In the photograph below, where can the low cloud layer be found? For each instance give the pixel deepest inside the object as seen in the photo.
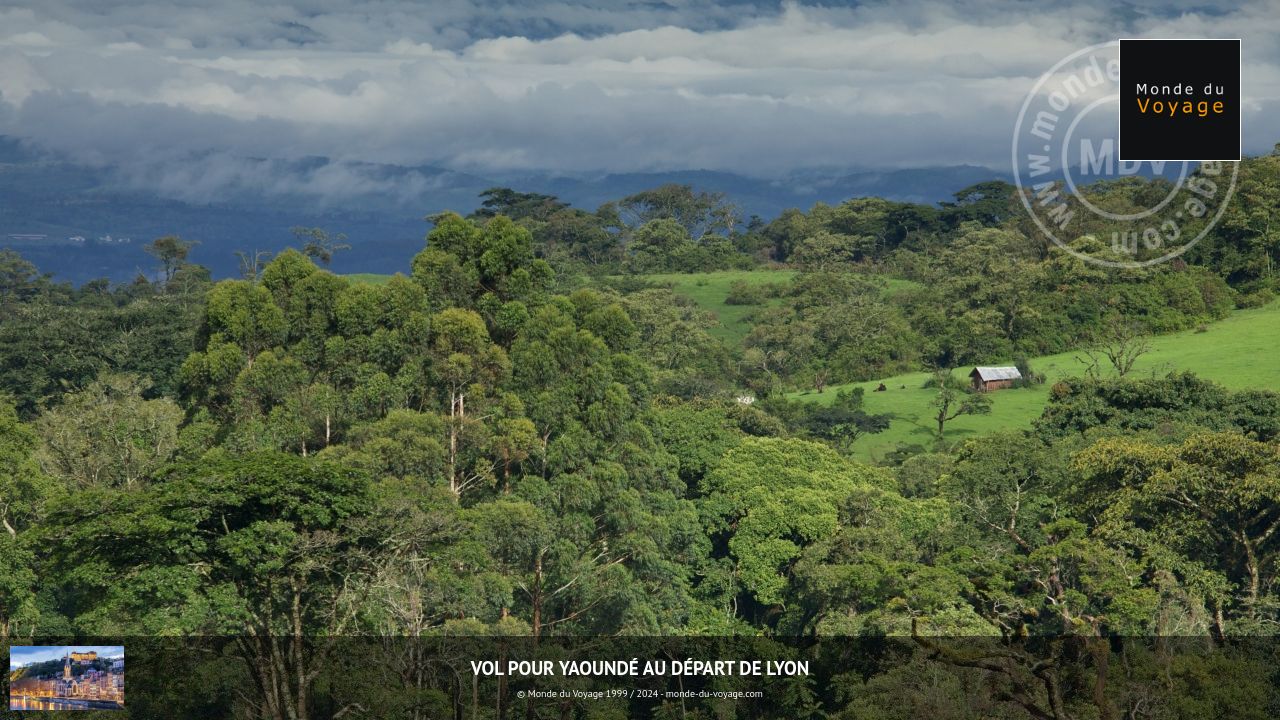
(754, 88)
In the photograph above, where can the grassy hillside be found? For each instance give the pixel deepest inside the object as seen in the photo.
(709, 290)
(370, 278)
(1238, 352)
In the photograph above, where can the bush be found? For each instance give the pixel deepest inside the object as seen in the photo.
(953, 381)
(1255, 299)
(627, 284)
(743, 293)
(1030, 378)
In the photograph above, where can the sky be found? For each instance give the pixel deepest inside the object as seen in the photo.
(20, 655)
(758, 88)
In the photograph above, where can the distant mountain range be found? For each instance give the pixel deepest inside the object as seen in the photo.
(82, 221)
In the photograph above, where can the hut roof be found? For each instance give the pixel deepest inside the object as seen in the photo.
(996, 373)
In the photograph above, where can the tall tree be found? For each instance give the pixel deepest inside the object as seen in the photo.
(1212, 501)
(108, 434)
(769, 498)
(318, 244)
(171, 251)
(246, 314)
(698, 212)
(465, 265)
(1122, 342)
(467, 364)
(24, 491)
(267, 548)
(22, 486)
(517, 205)
(19, 279)
(953, 401)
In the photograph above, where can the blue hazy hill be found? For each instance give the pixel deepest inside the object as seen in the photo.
(250, 204)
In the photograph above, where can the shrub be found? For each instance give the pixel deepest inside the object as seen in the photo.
(743, 293)
(1255, 299)
(1030, 378)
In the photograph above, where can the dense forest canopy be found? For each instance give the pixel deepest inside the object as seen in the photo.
(526, 434)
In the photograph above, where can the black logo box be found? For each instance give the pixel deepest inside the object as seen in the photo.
(1180, 64)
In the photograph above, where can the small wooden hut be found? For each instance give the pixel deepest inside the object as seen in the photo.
(986, 379)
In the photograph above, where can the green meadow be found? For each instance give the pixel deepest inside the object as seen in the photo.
(709, 289)
(369, 278)
(1242, 351)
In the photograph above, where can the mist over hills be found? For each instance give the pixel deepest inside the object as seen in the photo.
(81, 221)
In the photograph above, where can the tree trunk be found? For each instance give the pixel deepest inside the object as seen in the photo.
(1251, 567)
(457, 415)
(536, 599)
(1219, 633)
(300, 711)
(1100, 648)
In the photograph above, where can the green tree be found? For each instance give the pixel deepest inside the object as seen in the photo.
(697, 212)
(786, 232)
(1174, 401)
(673, 335)
(19, 279)
(53, 344)
(1210, 502)
(1038, 576)
(825, 251)
(318, 244)
(18, 583)
(23, 492)
(951, 401)
(579, 235)
(406, 444)
(22, 486)
(246, 314)
(109, 435)
(769, 498)
(610, 541)
(517, 205)
(466, 363)
(987, 202)
(879, 572)
(1245, 245)
(266, 548)
(844, 421)
(171, 251)
(466, 266)
(655, 244)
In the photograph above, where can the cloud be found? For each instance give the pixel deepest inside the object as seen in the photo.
(18, 77)
(756, 88)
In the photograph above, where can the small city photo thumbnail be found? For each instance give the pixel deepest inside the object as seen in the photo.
(66, 677)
